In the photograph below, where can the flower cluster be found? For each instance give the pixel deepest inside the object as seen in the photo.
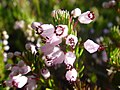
(52, 50)
(57, 39)
(18, 76)
(58, 45)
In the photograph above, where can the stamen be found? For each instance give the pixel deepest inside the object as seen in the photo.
(91, 15)
(59, 30)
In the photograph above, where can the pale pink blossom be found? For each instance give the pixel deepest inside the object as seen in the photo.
(59, 57)
(71, 75)
(61, 31)
(46, 30)
(76, 12)
(19, 81)
(71, 40)
(90, 46)
(45, 73)
(55, 57)
(69, 58)
(86, 17)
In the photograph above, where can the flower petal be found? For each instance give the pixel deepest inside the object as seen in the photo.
(90, 46)
(86, 17)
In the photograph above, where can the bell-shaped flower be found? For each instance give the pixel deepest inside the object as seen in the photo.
(46, 30)
(61, 31)
(76, 12)
(45, 73)
(71, 40)
(59, 57)
(71, 75)
(55, 57)
(90, 46)
(19, 81)
(69, 58)
(86, 17)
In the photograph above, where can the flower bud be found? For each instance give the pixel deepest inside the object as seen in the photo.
(71, 75)
(69, 58)
(76, 12)
(45, 73)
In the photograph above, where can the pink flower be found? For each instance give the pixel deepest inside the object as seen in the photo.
(19, 81)
(71, 75)
(76, 12)
(45, 30)
(61, 31)
(86, 17)
(71, 40)
(69, 58)
(55, 57)
(90, 46)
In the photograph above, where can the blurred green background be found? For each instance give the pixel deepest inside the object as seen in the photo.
(16, 17)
